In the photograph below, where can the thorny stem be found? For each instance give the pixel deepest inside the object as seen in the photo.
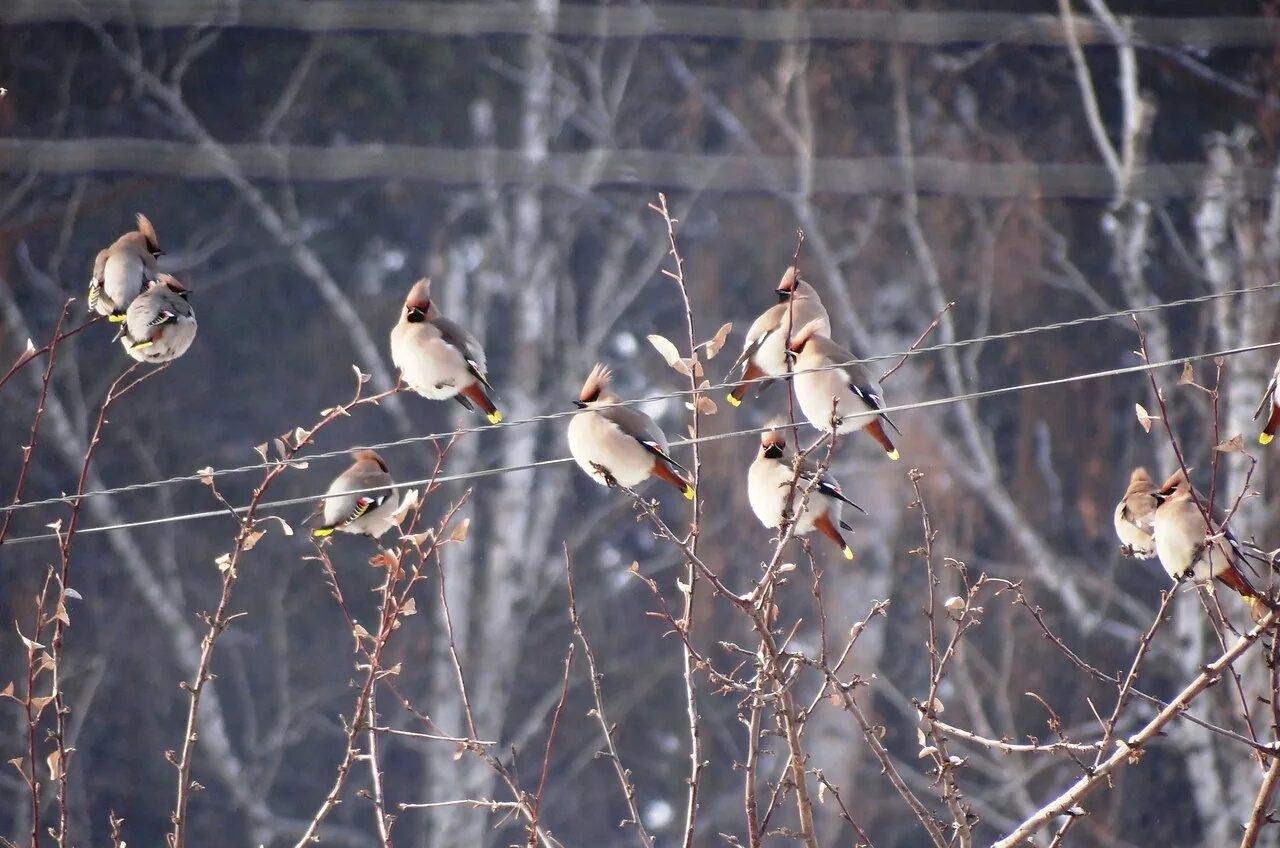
(220, 620)
(691, 573)
(623, 774)
(119, 387)
(29, 449)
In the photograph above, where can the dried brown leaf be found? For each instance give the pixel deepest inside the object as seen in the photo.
(1235, 444)
(717, 341)
(665, 348)
(1144, 418)
(460, 532)
(1188, 375)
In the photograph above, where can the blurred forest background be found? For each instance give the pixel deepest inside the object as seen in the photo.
(304, 162)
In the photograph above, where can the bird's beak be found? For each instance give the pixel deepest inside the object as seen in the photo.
(157, 253)
(783, 295)
(580, 404)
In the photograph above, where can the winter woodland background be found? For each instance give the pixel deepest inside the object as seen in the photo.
(304, 162)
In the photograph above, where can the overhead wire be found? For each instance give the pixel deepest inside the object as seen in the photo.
(551, 416)
(488, 472)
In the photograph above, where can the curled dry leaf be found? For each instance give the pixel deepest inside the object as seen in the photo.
(31, 644)
(460, 532)
(223, 562)
(706, 405)
(665, 348)
(1188, 375)
(927, 751)
(284, 525)
(206, 475)
(54, 762)
(1144, 418)
(410, 607)
(360, 375)
(1235, 444)
(955, 603)
(717, 341)
(253, 538)
(261, 450)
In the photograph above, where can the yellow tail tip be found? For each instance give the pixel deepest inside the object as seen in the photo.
(733, 401)
(115, 318)
(140, 345)
(1265, 438)
(688, 493)
(848, 552)
(494, 417)
(893, 454)
(321, 532)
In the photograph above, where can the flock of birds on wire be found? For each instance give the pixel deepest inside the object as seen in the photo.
(618, 445)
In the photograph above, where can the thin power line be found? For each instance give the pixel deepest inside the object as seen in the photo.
(489, 472)
(551, 416)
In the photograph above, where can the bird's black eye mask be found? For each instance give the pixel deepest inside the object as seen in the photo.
(773, 451)
(416, 315)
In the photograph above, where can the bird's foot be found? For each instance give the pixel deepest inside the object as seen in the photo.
(606, 475)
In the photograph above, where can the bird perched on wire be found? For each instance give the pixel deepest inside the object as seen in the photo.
(773, 485)
(1190, 549)
(160, 323)
(830, 383)
(438, 358)
(1269, 399)
(1135, 516)
(764, 352)
(122, 270)
(619, 445)
(360, 500)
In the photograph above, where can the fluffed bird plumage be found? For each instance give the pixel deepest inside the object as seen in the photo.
(849, 390)
(772, 480)
(122, 270)
(1135, 515)
(160, 324)
(764, 351)
(619, 444)
(438, 358)
(349, 508)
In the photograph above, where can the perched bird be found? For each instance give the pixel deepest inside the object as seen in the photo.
(1269, 397)
(856, 395)
(368, 512)
(160, 323)
(1135, 516)
(438, 358)
(1183, 543)
(772, 479)
(121, 272)
(764, 353)
(619, 445)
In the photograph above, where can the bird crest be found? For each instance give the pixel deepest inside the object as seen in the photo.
(597, 382)
(148, 234)
(420, 295)
(808, 331)
(366, 455)
(790, 278)
(172, 283)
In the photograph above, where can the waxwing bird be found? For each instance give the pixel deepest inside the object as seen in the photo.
(772, 480)
(360, 500)
(438, 358)
(849, 391)
(121, 272)
(160, 323)
(1135, 516)
(1184, 545)
(619, 445)
(764, 353)
(1269, 399)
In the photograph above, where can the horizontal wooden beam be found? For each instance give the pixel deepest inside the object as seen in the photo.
(645, 21)
(591, 170)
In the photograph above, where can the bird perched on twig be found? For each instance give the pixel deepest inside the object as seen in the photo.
(122, 270)
(359, 500)
(830, 383)
(1188, 548)
(1135, 516)
(1269, 398)
(764, 352)
(438, 358)
(772, 481)
(619, 445)
(160, 323)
